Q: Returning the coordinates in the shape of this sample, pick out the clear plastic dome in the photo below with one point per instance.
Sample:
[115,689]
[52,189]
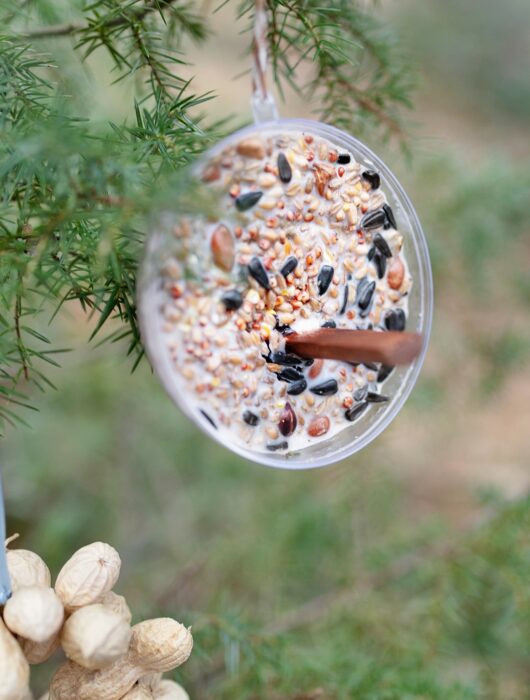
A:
[398,386]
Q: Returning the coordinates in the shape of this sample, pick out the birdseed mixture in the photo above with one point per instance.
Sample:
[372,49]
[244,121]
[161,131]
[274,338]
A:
[305,239]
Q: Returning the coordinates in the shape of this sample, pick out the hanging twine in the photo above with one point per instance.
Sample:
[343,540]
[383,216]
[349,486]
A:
[263,104]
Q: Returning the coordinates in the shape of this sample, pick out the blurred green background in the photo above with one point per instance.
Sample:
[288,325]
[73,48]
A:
[403,572]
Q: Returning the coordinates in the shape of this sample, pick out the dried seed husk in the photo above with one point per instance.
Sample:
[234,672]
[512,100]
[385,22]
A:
[35,613]
[14,669]
[95,637]
[169,690]
[27,569]
[160,645]
[139,692]
[323,174]
[112,683]
[284,169]
[90,573]
[39,652]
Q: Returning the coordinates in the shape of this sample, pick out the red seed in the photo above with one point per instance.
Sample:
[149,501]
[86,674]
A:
[318,426]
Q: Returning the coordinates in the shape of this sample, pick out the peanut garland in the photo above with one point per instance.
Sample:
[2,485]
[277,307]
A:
[107,659]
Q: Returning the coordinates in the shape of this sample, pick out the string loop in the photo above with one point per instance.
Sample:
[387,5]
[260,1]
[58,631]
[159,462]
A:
[263,103]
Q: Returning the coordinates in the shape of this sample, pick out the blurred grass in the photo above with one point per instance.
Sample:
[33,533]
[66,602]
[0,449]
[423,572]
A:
[386,576]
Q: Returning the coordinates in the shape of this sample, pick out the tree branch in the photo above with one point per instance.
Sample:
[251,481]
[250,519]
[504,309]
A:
[70,28]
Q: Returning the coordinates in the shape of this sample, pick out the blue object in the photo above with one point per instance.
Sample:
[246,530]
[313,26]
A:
[5,583]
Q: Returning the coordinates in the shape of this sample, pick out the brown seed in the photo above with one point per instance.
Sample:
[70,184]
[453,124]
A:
[288,422]
[396,273]
[318,426]
[223,248]
[315,369]
[251,148]
[211,173]
[323,174]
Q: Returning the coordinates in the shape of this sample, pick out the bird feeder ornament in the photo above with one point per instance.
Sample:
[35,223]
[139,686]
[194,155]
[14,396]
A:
[292,326]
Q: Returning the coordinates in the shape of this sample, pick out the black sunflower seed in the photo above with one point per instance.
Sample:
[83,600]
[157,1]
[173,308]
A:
[390,218]
[371,253]
[289,265]
[372,177]
[250,418]
[326,388]
[329,324]
[372,397]
[371,365]
[355,411]
[258,272]
[210,420]
[284,169]
[373,220]
[382,245]
[395,320]
[232,299]
[297,387]
[324,278]
[384,372]
[288,359]
[289,375]
[343,159]
[344,300]
[365,298]
[275,446]
[360,394]
[248,200]
[380,264]
[360,286]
